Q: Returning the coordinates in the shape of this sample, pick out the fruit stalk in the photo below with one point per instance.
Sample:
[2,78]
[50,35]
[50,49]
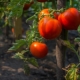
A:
[54,4]
[43,5]
[71,3]
[60,48]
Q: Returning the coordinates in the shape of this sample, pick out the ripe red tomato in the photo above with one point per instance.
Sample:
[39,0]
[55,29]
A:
[46,12]
[41,0]
[49,28]
[69,19]
[38,49]
[27,5]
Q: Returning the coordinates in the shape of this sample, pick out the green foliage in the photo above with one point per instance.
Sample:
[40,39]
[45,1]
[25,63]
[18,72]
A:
[16,7]
[27,60]
[69,45]
[72,47]
[32,61]
[74,3]
[19,55]
[26,69]
[33,34]
[78,29]
[77,39]
[18,44]
[72,72]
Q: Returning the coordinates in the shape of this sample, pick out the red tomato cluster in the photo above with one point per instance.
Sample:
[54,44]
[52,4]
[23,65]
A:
[51,28]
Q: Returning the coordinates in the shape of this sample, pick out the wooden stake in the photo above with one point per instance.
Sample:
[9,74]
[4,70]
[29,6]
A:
[60,48]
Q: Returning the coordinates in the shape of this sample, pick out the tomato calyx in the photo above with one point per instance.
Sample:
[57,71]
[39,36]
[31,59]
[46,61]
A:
[49,13]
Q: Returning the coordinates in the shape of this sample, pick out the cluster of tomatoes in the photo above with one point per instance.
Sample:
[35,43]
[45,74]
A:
[51,28]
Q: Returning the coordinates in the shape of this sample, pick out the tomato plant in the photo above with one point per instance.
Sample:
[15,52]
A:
[38,49]
[46,12]
[70,19]
[27,5]
[41,0]
[49,28]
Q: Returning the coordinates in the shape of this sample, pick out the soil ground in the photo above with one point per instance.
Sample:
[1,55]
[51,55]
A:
[12,69]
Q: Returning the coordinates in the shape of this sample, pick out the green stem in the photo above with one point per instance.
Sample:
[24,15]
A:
[78,65]
[54,4]
[43,5]
[77,55]
[79,4]
[71,3]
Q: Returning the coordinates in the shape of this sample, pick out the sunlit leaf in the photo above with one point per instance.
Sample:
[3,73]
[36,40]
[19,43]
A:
[18,44]
[33,61]
[69,45]
[72,73]
[77,39]
[72,47]
[18,56]
[78,29]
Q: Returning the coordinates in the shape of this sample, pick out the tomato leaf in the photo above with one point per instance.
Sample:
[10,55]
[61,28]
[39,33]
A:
[18,44]
[26,69]
[33,34]
[77,39]
[16,7]
[78,77]
[71,46]
[78,29]
[72,73]
[31,18]
[20,55]
[33,61]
